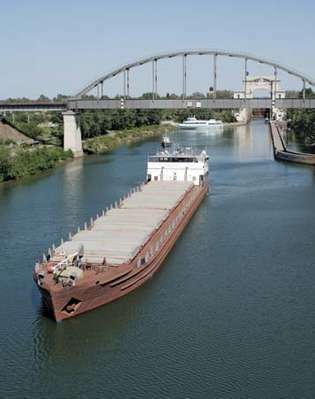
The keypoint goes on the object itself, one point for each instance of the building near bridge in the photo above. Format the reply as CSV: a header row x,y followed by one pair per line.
x,y
271,84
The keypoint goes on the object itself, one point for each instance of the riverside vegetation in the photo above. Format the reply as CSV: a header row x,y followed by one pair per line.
x,y
48,126
17,162
102,131
302,123
106,143
128,126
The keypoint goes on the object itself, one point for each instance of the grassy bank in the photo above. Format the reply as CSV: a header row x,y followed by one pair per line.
x,y
17,162
106,143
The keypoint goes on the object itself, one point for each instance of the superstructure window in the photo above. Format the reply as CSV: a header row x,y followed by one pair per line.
x,y
175,159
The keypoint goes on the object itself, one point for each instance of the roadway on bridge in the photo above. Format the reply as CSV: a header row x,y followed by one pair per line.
x,y
81,104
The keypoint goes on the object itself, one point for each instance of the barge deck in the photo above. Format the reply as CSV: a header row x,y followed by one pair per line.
x,y
117,237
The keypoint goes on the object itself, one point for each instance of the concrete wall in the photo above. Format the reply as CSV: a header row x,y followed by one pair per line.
x,y
244,115
72,139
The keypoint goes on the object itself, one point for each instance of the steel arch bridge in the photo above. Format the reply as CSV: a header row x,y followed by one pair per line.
x,y
215,53
80,101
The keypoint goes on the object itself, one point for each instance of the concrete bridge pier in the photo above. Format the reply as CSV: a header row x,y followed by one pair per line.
x,y
244,115
72,133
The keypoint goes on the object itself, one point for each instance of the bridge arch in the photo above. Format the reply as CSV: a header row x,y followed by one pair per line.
x,y
124,69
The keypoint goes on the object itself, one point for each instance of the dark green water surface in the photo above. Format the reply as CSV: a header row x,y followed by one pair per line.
x,y
230,315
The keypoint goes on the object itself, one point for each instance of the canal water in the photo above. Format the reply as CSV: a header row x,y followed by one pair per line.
x,y
230,314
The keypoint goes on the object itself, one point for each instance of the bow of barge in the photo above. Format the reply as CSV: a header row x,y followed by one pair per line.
x,y
126,245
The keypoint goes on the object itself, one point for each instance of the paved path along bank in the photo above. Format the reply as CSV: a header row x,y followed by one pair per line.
x,y
277,131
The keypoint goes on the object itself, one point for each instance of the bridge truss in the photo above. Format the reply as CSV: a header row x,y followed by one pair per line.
x,y
98,84
81,102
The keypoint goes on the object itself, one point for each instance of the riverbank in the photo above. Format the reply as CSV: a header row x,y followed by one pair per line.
x,y
278,132
235,124
17,161
20,161
106,143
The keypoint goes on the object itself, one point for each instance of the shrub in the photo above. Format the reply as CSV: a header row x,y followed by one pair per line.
x,y
26,162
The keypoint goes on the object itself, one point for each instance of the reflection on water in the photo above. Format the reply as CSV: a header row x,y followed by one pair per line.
x,y
296,142
73,189
230,314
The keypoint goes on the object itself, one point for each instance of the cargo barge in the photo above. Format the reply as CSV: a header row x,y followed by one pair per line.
x,y
123,248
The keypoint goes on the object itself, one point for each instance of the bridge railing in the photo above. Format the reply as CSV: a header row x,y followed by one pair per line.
x,y
31,106
261,103
77,104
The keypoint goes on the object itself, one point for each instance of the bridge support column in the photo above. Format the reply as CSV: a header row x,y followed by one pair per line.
x,y
244,115
72,133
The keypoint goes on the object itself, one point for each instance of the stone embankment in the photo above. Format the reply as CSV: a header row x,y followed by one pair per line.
x,y
281,153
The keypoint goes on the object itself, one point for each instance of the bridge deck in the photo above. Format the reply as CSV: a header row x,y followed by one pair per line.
x,y
202,103
81,104
31,106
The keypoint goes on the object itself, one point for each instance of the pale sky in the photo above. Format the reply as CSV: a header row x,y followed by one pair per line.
x,y
51,47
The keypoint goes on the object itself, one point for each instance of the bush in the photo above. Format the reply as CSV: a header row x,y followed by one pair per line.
x,y
97,123
24,162
4,162
302,122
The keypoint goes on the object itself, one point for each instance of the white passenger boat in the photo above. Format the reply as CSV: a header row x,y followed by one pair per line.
x,y
194,123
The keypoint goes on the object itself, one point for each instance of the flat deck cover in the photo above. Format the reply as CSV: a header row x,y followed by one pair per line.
x,y
121,232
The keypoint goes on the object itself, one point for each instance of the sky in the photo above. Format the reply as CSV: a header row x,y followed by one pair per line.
x,y
51,47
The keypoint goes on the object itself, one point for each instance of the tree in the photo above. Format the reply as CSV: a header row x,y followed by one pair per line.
x,y
149,96
308,93
43,98
197,95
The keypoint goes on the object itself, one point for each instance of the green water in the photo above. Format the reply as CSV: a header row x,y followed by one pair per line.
x,y
231,313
